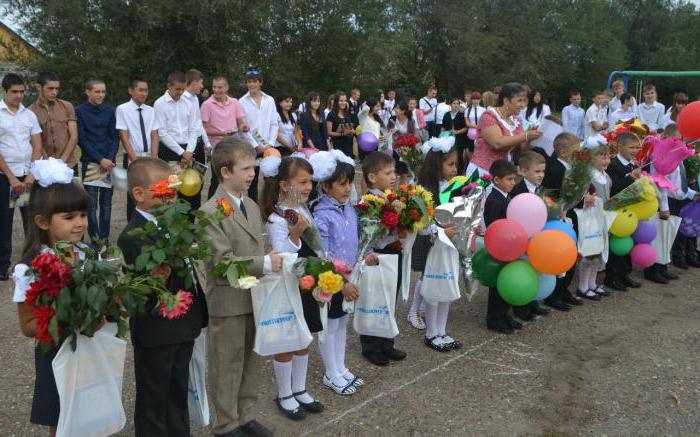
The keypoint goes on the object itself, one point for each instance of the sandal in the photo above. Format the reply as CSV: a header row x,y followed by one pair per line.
x,y
295,414
355,380
415,320
432,344
347,390
311,407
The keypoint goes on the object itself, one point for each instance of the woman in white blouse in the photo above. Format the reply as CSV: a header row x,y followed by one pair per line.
x,y
286,121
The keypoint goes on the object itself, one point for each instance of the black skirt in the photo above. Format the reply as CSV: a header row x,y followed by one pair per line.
x,y
312,312
419,254
335,311
46,404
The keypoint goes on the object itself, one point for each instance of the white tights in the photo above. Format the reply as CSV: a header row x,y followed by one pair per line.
x,y
333,350
436,318
588,273
418,304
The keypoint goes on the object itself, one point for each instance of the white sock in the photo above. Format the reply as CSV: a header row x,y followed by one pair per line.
x,y
417,298
431,322
584,268
300,364
443,311
340,340
327,348
283,376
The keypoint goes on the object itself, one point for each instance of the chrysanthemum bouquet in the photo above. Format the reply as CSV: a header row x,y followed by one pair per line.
x,y
414,205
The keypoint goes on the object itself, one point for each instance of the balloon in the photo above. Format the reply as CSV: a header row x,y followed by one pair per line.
x,y
643,255
562,226
271,151
644,210
620,246
445,133
546,288
645,233
367,142
689,121
505,240
191,182
668,152
529,210
624,224
552,252
307,151
518,283
486,269
471,133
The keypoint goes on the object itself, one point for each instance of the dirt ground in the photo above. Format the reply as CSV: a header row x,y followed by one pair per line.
x,y
626,366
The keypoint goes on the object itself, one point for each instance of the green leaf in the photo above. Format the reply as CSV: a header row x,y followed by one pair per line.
x,y
158,256
232,275
141,260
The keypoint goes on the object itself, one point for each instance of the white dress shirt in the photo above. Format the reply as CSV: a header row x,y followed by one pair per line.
x,y
531,188
267,262
278,232
615,103
176,123
426,103
597,114
566,165
128,120
572,120
16,130
262,119
620,115
442,109
473,114
194,106
651,115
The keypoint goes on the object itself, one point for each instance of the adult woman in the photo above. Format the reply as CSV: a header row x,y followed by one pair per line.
x,y
624,113
312,123
286,122
499,132
680,100
455,123
535,111
340,125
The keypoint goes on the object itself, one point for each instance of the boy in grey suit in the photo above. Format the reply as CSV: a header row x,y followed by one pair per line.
x,y
232,365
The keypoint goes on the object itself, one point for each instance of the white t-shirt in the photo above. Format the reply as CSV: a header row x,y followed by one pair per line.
x,y
615,103
286,130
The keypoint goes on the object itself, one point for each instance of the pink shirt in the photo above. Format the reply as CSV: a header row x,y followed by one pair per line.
x,y
484,154
221,116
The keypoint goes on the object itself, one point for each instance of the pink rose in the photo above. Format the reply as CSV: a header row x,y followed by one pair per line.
x,y
320,296
307,282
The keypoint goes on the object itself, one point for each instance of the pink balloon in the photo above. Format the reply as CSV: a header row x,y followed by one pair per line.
x,y
643,255
471,133
668,153
529,210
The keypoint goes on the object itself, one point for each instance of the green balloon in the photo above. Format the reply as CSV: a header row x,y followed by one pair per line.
x,y
486,268
446,133
518,283
620,246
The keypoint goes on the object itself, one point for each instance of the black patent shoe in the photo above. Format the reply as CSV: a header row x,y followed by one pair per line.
x,y
377,358
501,327
536,309
615,285
557,305
571,300
434,345
394,354
451,342
296,414
314,407
630,283
588,294
669,275
253,428
513,323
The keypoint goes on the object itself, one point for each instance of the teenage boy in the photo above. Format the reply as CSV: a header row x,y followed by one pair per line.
x,y
651,112
354,102
618,88
572,115
596,115
428,105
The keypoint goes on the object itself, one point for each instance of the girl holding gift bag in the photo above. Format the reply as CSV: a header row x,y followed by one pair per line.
x,y
439,167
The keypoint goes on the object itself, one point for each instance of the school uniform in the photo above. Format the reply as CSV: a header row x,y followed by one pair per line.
x,y
683,252
457,122
162,349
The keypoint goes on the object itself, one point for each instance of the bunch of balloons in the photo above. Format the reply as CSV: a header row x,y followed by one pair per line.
x,y
524,252
632,236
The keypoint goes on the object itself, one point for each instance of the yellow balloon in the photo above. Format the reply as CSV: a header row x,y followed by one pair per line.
x,y
644,210
625,223
191,182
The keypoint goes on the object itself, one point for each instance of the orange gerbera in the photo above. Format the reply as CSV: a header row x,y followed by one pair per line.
x,y
162,190
224,206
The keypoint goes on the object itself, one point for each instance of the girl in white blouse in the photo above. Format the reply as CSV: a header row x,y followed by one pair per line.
x,y
535,112
286,121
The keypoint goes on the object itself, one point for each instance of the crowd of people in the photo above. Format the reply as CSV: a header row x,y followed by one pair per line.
x,y
490,132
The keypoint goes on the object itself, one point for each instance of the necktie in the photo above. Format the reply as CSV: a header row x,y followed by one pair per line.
x,y
143,130
245,214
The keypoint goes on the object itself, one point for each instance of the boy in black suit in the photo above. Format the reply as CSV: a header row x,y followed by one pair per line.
x,y
504,175
532,168
565,144
162,347
622,170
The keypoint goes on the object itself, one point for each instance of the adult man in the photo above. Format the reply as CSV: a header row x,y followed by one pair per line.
x,y
572,115
138,132
59,128
428,105
222,115
354,102
20,144
651,112
99,141
261,117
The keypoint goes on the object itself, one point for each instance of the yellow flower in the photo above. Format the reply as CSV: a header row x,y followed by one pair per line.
x,y
330,282
420,225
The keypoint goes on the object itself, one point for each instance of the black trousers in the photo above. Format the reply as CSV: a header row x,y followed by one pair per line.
x,y
371,343
617,267
497,308
7,215
166,154
129,201
433,129
161,375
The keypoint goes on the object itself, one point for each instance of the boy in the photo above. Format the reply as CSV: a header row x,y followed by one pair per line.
x,y
504,174
622,171
618,88
532,168
596,116
651,112
572,116
565,144
138,132
379,174
428,105
162,347
233,368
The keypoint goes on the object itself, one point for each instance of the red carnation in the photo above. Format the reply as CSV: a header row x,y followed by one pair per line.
x,y
414,214
391,197
390,218
362,206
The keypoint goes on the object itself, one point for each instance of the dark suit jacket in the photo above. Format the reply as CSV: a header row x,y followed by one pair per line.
x,y
150,329
495,207
519,188
618,175
554,175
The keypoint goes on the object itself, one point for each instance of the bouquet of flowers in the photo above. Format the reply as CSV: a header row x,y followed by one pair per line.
x,y
577,179
415,207
378,218
641,190
322,278
67,297
406,145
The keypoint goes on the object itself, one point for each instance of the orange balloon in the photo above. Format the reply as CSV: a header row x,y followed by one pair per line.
x,y
271,151
552,252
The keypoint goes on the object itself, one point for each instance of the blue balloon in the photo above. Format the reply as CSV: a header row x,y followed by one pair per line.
x,y
559,225
546,288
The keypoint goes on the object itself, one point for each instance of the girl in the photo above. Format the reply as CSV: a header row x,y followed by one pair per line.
x,y
680,100
535,111
455,123
439,167
329,106
286,122
338,226
58,212
403,121
472,116
340,125
312,126
370,121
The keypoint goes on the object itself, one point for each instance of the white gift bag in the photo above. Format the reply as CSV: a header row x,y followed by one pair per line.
x,y
592,230
666,231
280,326
374,309
89,383
441,274
197,401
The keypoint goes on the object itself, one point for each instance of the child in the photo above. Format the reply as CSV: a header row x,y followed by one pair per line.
x,y
379,174
58,211
162,347
651,112
565,144
439,167
572,115
597,115
338,226
504,174
233,368
623,170
287,187
532,168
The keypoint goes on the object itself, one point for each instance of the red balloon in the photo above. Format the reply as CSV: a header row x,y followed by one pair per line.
x,y
689,121
505,240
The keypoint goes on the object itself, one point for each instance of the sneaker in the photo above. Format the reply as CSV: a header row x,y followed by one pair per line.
x,y
415,320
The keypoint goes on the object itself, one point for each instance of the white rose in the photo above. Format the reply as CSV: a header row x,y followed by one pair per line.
x,y
247,282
